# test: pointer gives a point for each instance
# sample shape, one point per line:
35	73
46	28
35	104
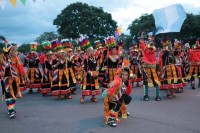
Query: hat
33	46
66	43
84	42
177	45
110	42
98	44
46	45
56	45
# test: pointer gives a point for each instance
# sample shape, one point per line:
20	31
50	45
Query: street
38	114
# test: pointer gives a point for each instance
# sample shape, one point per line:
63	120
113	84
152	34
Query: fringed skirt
90	84
34	78
60	84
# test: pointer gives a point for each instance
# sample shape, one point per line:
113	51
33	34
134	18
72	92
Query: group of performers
65	66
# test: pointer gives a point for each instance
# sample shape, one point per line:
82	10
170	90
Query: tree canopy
47	36
80	18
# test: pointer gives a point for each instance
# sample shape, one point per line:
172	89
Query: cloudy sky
24	23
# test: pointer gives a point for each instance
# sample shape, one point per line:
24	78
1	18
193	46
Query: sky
23	24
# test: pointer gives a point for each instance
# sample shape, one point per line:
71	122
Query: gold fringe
169	73
174	73
72	74
96	80
85	81
155	76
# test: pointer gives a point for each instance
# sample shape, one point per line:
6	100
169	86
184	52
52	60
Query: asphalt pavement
39	114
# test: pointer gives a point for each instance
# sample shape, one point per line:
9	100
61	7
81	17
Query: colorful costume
60	83
34	76
135	64
90	85
194	58
10	78
79	67
46	61
169	74
150	76
113	95
70	63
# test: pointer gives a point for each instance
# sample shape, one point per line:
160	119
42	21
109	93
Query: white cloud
25	23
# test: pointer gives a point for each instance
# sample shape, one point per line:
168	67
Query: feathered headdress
33	46
56	45
46	45
110	41
66	43
84	43
178	45
98	44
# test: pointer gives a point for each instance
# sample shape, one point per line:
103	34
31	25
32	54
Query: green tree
47	36
146	21
80	18
24	48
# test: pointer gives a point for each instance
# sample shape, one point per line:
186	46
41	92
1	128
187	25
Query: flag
118	33
3	4
170	18
23	2
13	2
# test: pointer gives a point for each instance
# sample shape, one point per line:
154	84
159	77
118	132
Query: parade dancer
34	76
60	83
10	79
90	85
47	69
118	94
70	63
79	65
194	58
110	65
169	75
150	75
135	64
98	56
127	77
178	61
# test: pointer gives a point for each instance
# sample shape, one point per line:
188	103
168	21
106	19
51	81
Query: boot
158	98
30	91
145	98
111	122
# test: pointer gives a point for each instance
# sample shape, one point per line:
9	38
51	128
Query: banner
13	2
170	18
23	2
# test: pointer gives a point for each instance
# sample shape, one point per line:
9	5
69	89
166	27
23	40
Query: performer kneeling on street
118	94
